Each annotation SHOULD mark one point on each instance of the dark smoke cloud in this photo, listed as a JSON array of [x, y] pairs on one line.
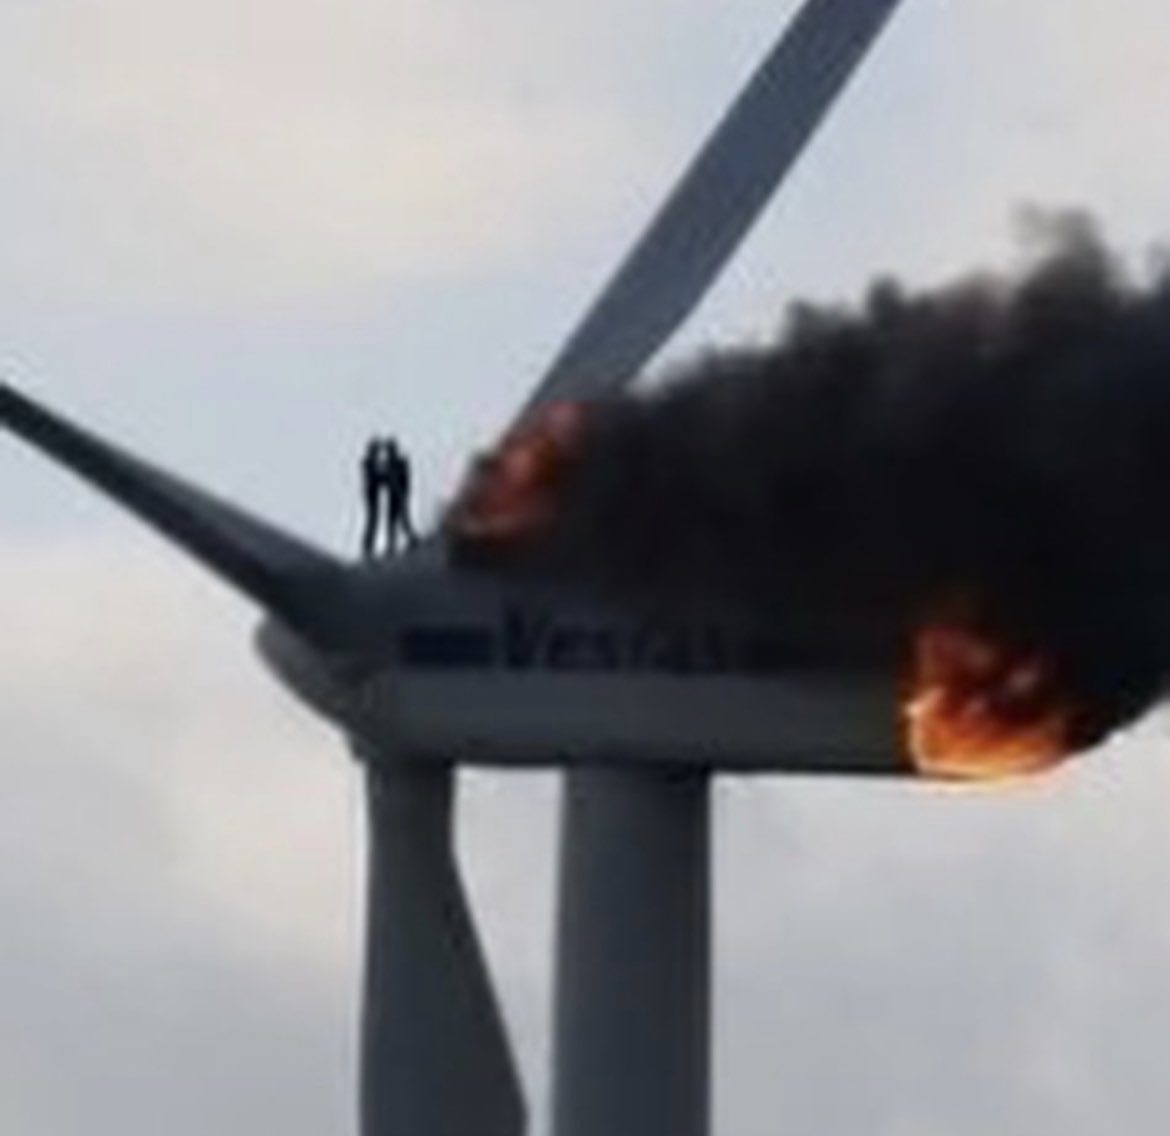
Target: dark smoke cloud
[[1004, 438]]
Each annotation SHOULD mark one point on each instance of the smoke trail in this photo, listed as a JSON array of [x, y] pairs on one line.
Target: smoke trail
[[1003, 442]]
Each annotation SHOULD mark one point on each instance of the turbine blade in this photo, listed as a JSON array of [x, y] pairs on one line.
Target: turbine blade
[[716, 202], [435, 1054], [281, 573]]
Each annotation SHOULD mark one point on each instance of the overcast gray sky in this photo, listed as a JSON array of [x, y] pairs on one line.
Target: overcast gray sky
[[240, 234]]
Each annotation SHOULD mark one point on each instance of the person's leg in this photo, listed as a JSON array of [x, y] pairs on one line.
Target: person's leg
[[393, 520], [370, 528]]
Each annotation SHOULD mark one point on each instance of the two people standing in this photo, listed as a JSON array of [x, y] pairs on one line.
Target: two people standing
[[386, 493]]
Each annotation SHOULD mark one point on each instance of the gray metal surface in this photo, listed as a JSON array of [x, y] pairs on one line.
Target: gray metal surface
[[499, 714], [716, 202], [633, 980], [435, 1058]]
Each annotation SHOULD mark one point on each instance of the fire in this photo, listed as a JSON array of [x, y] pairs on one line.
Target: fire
[[980, 708], [512, 491]]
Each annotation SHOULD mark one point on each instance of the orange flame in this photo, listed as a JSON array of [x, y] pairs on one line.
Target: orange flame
[[512, 491], [980, 708]]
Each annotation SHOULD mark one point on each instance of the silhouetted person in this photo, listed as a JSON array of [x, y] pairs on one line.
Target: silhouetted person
[[398, 522], [386, 492]]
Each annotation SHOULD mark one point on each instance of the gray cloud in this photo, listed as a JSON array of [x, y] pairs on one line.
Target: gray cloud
[[932, 960], [175, 888], [250, 151]]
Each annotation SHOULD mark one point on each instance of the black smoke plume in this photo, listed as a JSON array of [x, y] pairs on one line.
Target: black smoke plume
[[1003, 443]]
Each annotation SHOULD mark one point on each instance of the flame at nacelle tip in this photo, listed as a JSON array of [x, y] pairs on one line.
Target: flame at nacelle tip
[[979, 707]]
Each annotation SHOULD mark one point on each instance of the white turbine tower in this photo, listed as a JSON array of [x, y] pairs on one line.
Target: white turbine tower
[[397, 655]]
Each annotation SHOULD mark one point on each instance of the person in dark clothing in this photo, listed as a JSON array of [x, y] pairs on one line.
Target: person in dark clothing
[[374, 473], [398, 522], [386, 493]]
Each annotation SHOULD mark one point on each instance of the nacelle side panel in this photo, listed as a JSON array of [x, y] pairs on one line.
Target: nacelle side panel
[[840, 724]]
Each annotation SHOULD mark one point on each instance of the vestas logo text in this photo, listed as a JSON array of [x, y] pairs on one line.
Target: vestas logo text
[[537, 641], [528, 639]]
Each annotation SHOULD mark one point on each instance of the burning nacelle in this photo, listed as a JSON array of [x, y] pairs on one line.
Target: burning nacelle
[[967, 469]]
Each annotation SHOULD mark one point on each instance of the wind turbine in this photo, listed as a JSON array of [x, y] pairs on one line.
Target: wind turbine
[[411, 658]]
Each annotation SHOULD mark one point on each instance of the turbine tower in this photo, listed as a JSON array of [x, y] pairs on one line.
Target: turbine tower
[[632, 1000]]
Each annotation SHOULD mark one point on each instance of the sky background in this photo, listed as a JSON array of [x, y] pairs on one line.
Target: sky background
[[240, 235]]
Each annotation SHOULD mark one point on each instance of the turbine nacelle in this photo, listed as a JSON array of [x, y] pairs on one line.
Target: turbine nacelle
[[476, 670]]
